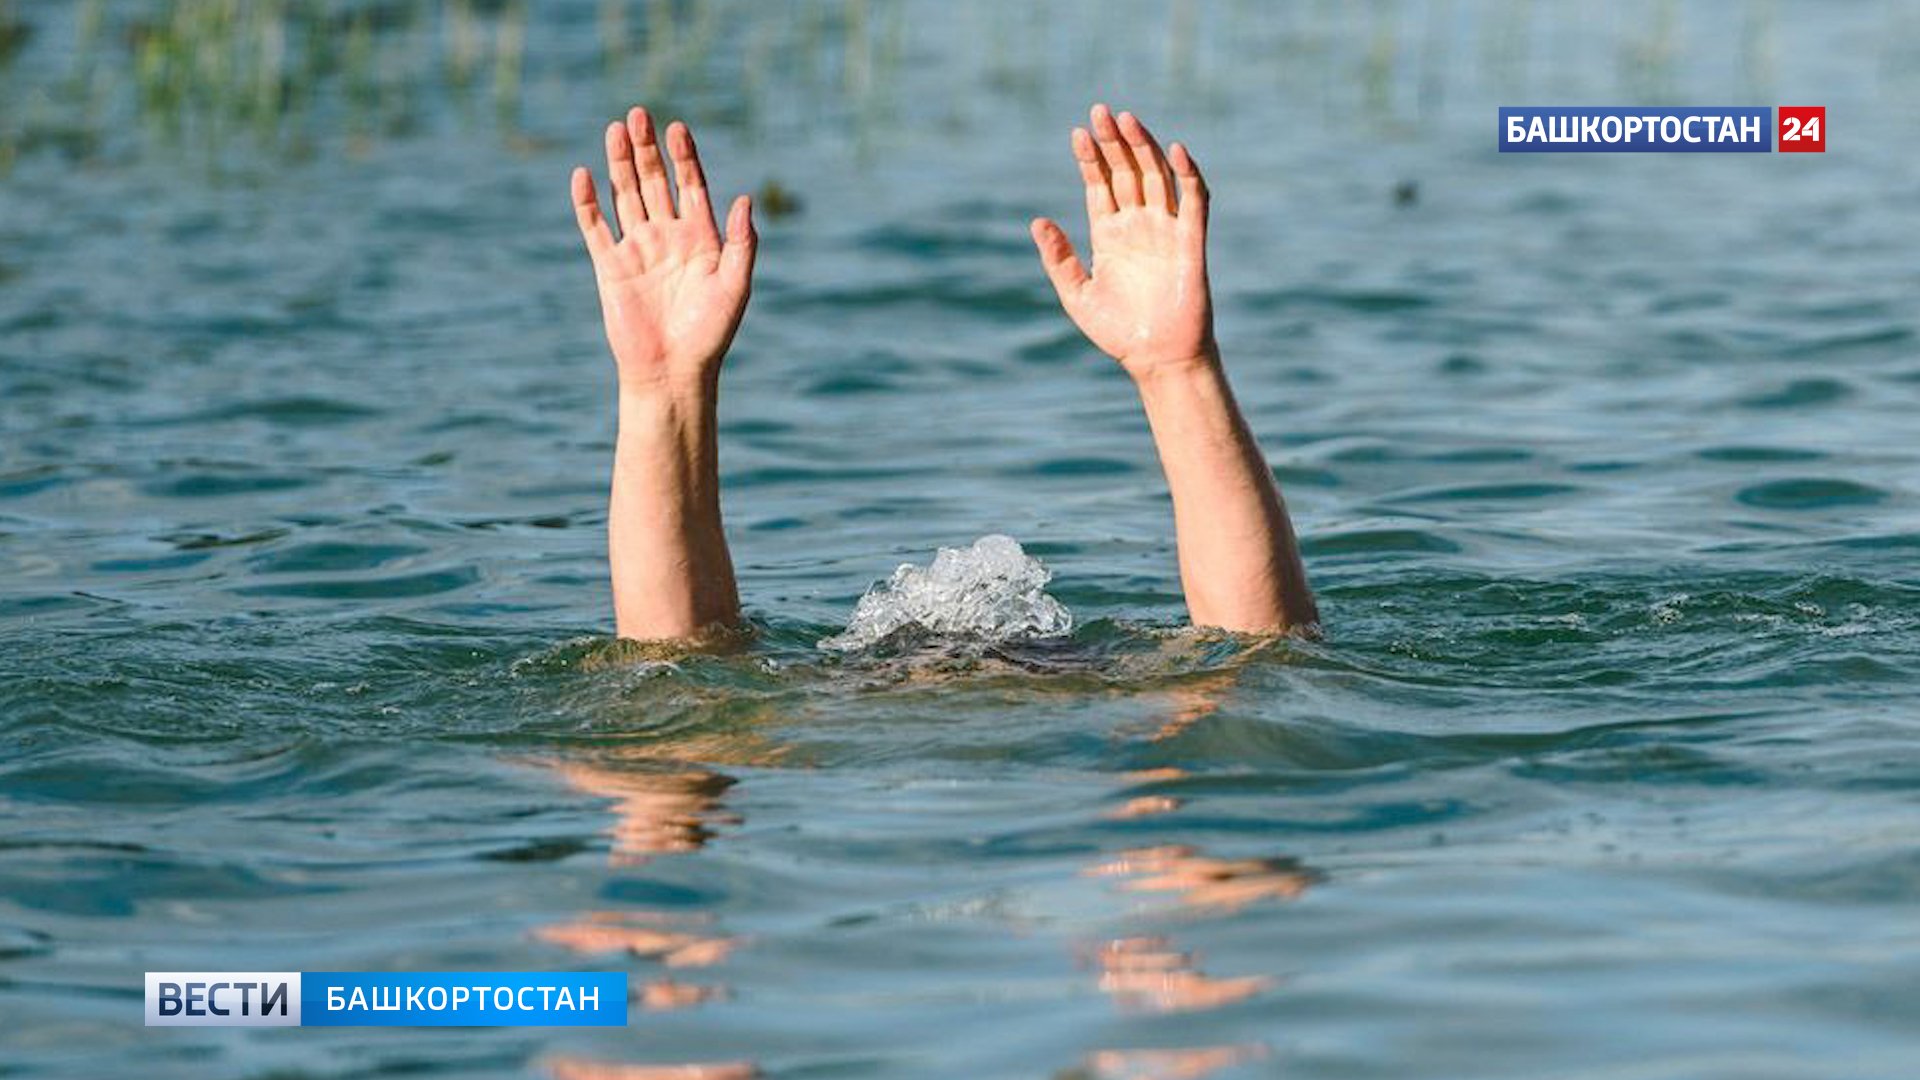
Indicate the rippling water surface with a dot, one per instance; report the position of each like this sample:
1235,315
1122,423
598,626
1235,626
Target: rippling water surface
1605,465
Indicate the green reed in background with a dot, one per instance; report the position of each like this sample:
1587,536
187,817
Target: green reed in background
287,74
301,77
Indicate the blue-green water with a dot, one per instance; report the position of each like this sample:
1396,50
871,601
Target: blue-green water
1605,465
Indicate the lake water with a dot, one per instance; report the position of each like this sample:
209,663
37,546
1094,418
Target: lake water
1605,467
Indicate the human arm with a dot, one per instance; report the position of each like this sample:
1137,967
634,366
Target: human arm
672,295
1147,303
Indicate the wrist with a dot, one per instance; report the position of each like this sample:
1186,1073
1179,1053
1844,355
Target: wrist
700,386
682,412
669,424
1151,372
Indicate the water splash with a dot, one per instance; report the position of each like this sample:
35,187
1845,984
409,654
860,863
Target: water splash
992,590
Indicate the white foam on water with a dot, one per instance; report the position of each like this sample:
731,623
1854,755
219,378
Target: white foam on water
992,590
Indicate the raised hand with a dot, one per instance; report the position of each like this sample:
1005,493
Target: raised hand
1146,304
671,295
1146,301
670,292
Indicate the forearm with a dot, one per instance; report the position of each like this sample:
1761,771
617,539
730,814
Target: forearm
672,574
1239,562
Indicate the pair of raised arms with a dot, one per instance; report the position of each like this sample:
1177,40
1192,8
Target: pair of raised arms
673,287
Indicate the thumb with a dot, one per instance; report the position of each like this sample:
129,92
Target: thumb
1063,267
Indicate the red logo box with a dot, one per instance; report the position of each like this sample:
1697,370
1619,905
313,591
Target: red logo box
1803,129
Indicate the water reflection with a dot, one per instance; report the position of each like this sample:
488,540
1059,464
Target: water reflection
1196,880
579,1069
670,799
1152,975
1165,1064
656,813
1194,701
1152,803
672,941
661,809
1150,972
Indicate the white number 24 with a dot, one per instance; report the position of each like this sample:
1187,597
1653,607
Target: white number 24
1795,132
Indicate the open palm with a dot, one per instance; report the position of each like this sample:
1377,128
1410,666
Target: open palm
1146,301
671,294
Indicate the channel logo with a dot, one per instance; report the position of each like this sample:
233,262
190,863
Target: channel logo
386,999
1634,130
223,999
1803,129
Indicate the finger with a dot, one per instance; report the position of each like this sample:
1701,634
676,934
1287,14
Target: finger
1093,170
626,185
1063,267
1156,177
586,211
736,258
1193,199
689,178
653,175
1120,166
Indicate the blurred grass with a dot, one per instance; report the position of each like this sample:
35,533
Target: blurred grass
205,79
292,76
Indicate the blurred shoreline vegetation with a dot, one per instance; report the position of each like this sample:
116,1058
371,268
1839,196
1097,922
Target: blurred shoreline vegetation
204,72
298,78
219,82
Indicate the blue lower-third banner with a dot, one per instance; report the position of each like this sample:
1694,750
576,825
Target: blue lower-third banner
386,999
1636,129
